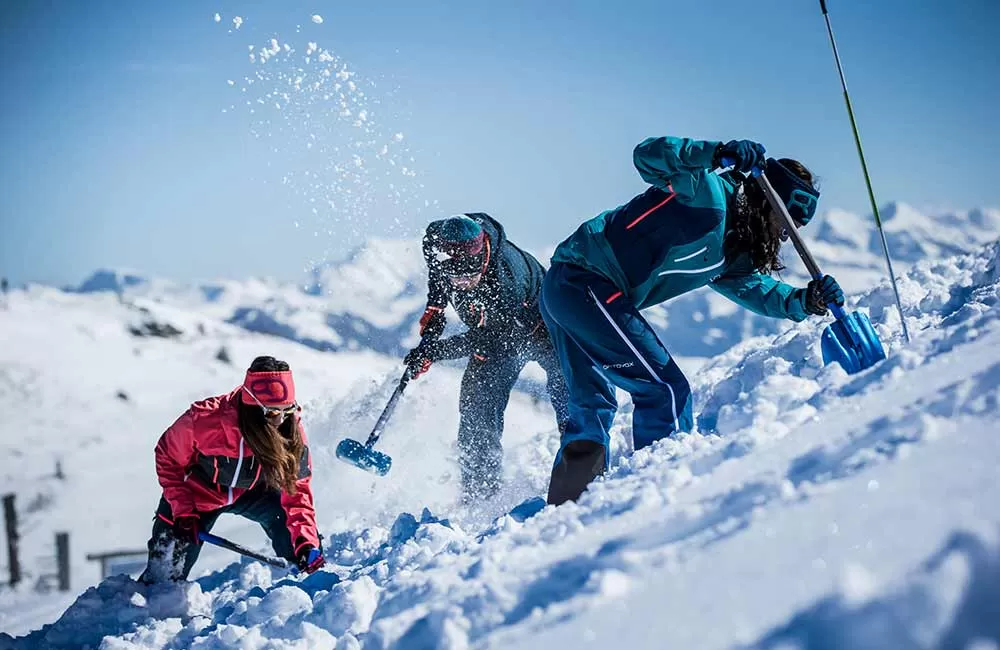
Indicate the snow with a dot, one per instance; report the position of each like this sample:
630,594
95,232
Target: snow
310,105
811,509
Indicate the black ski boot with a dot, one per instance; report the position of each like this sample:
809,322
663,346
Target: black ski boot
582,461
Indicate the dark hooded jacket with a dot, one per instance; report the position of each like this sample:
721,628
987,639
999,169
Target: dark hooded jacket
501,311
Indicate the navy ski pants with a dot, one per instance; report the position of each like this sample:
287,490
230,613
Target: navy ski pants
260,504
603,341
486,387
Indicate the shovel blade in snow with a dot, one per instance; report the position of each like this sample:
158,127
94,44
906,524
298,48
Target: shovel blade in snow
852,342
363,457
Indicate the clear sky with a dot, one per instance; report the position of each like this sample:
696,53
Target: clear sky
123,145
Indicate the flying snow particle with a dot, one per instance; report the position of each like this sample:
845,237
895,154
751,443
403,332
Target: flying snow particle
237,22
218,18
317,19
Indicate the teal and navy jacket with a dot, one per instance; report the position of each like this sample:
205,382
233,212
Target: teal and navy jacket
670,239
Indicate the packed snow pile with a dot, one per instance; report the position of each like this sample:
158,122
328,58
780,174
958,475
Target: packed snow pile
812,510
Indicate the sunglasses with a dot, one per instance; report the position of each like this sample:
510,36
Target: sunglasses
274,411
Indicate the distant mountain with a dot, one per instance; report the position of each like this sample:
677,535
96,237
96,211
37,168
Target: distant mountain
109,280
373,298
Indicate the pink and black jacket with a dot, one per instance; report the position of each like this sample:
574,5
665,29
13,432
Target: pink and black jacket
203,463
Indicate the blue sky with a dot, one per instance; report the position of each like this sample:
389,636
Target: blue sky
117,153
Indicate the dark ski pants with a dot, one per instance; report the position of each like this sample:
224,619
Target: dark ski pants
172,559
486,387
603,341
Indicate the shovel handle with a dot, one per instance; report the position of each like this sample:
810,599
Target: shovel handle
779,207
387,411
797,241
396,394
222,542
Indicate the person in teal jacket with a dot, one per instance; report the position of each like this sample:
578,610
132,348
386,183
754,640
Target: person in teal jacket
693,227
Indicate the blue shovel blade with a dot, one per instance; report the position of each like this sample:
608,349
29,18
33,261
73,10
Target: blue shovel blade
362,457
852,342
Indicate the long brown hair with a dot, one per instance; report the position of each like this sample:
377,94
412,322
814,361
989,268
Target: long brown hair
278,447
754,232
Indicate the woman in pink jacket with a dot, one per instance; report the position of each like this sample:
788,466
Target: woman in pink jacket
244,453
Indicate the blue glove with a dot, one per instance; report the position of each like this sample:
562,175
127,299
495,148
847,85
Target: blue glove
822,292
745,155
309,559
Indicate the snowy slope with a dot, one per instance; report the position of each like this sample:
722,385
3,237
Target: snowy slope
95,397
372,298
811,510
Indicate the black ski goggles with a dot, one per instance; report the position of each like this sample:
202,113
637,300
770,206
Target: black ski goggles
462,266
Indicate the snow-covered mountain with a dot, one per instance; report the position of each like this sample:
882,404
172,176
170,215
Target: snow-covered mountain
368,301
373,298
811,510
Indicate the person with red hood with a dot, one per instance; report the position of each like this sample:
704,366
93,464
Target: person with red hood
244,453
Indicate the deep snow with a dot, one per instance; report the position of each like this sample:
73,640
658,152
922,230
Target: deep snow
812,509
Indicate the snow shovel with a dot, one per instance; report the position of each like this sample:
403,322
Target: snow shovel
365,456
851,340
222,542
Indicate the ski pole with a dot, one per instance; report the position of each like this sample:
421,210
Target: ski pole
222,542
864,169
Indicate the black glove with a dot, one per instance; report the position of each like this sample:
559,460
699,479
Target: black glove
743,154
186,529
309,558
822,292
420,358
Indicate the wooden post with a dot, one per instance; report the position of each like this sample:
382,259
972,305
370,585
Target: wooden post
10,522
62,560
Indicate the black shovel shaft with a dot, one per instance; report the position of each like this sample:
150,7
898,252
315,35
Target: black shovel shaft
800,244
394,399
387,411
222,542
779,207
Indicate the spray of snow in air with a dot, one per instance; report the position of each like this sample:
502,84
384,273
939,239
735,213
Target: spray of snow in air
329,143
